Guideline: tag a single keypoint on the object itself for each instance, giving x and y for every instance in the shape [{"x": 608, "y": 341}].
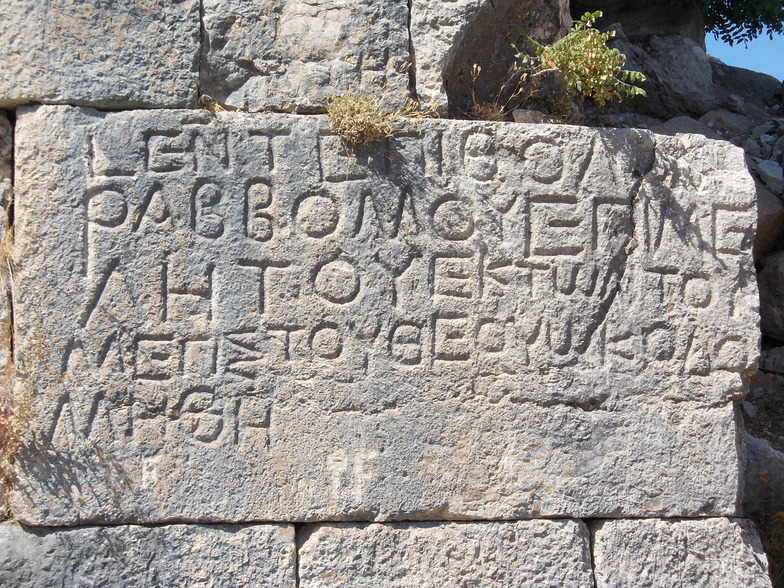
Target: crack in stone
[
  {"x": 411, "y": 54},
  {"x": 201, "y": 54}
]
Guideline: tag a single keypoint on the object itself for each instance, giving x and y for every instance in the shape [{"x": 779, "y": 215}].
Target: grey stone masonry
[
  {"x": 679, "y": 554},
  {"x": 119, "y": 54},
  {"x": 293, "y": 55},
  {"x": 234, "y": 317},
  {"x": 526, "y": 554},
  {"x": 232, "y": 556},
  {"x": 281, "y": 55}
]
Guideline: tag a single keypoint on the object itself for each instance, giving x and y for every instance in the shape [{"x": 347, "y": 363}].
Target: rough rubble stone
[
  {"x": 449, "y": 36},
  {"x": 246, "y": 320},
  {"x": 764, "y": 477},
  {"x": 753, "y": 86},
  {"x": 292, "y": 55},
  {"x": 122, "y": 54},
  {"x": 771, "y": 288},
  {"x": 684, "y": 124},
  {"x": 175, "y": 555},
  {"x": 770, "y": 223},
  {"x": 524, "y": 116},
  {"x": 728, "y": 125},
  {"x": 772, "y": 360},
  {"x": 678, "y": 554},
  {"x": 526, "y": 554},
  {"x": 772, "y": 174},
  {"x": 678, "y": 76},
  {"x": 777, "y": 152}
]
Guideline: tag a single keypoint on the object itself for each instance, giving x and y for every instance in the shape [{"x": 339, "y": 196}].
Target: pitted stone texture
[
  {"x": 524, "y": 554},
  {"x": 292, "y": 55},
  {"x": 678, "y": 554},
  {"x": 122, "y": 54},
  {"x": 449, "y": 36},
  {"x": 244, "y": 320},
  {"x": 176, "y": 555}
]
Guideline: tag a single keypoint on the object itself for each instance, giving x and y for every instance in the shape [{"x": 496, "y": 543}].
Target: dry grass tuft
[
  {"x": 360, "y": 120},
  {"x": 16, "y": 389}
]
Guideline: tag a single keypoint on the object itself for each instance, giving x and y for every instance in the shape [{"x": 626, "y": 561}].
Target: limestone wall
[{"x": 472, "y": 354}]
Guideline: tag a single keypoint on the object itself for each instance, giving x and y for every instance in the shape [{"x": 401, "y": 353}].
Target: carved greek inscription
[{"x": 226, "y": 263}]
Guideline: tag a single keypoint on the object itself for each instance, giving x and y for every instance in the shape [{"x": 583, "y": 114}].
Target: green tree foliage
[{"x": 740, "y": 21}]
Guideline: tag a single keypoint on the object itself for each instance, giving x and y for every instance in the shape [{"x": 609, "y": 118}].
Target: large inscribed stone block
[
  {"x": 120, "y": 54},
  {"x": 293, "y": 55},
  {"x": 525, "y": 554},
  {"x": 172, "y": 555},
  {"x": 679, "y": 554},
  {"x": 244, "y": 320}
]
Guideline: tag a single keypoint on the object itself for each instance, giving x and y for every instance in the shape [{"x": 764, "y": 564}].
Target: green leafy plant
[{"x": 588, "y": 67}]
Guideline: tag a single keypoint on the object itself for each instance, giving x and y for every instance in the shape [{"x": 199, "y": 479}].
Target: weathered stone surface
[
  {"x": 678, "y": 554},
  {"x": 523, "y": 116},
  {"x": 772, "y": 360},
  {"x": 764, "y": 478},
  {"x": 770, "y": 223},
  {"x": 525, "y": 554},
  {"x": 449, "y": 36},
  {"x": 728, "y": 125},
  {"x": 772, "y": 174},
  {"x": 682, "y": 125},
  {"x": 175, "y": 555},
  {"x": 247, "y": 321},
  {"x": 753, "y": 86},
  {"x": 122, "y": 54},
  {"x": 679, "y": 77},
  {"x": 293, "y": 55},
  {"x": 771, "y": 280}
]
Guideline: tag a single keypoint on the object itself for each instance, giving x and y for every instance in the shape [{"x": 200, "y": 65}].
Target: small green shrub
[{"x": 588, "y": 67}]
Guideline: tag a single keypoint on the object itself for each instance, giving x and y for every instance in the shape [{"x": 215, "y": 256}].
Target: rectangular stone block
[
  {"x": 678, "y": 554},
  {"x": 174, "y": 555},
  {"x": 292, "y": 55},
  {"x": 121, "y": 54},
  {"x": 247, "y": 321},
  {"x": 525, "y": 554}
]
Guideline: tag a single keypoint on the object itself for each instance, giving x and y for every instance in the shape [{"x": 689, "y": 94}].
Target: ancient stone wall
[{"x": 471, "y": 354}]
